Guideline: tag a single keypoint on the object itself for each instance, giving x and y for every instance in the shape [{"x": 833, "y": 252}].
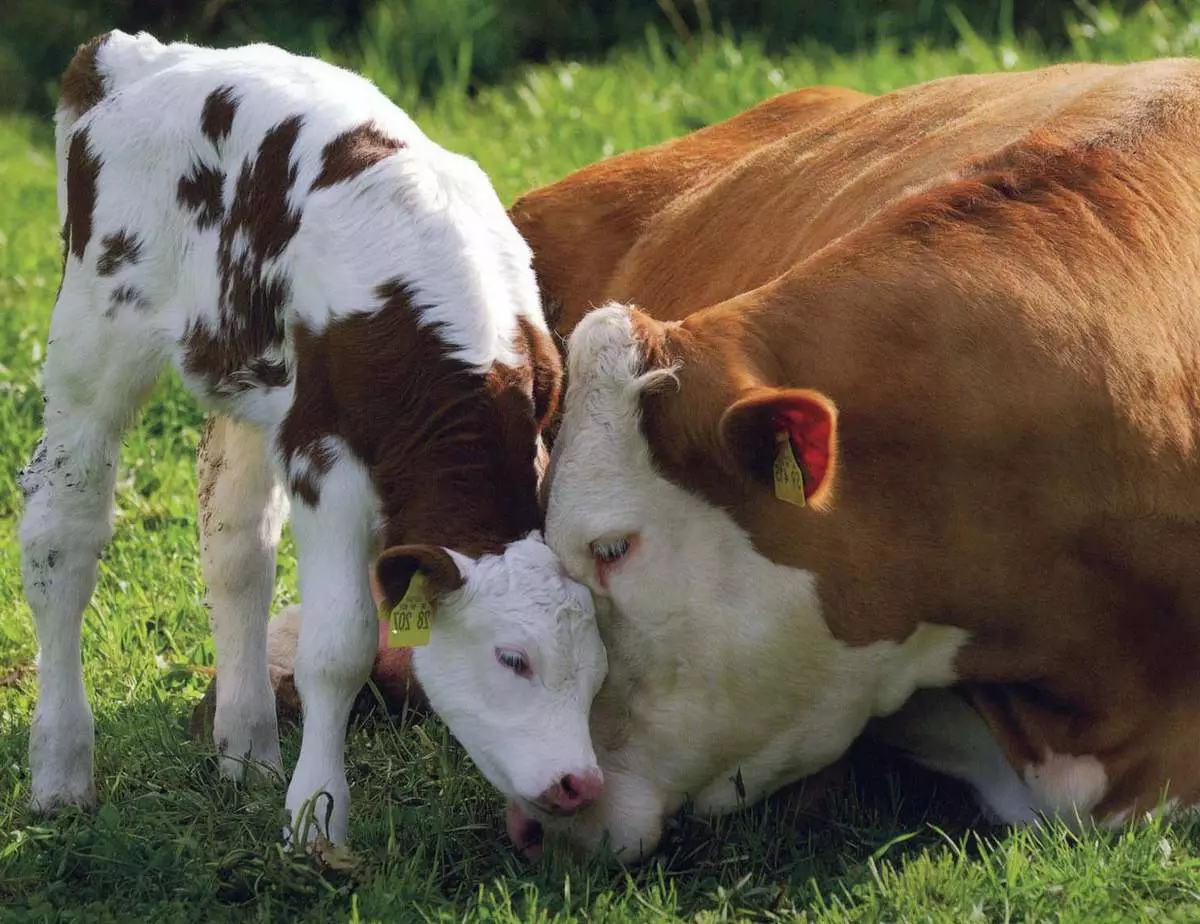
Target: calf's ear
[
  {"x": 785, "y": 436},
  {"x": 395, "y": 568},
  {"x": 546, "y": 367}
]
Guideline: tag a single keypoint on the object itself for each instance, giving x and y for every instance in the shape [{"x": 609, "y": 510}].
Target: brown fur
[
  {"x": 216, "y": 118},
  {"x": 232, "y": 358},
  {"x": 83, "y": 171},
  {"x": 352, "y": 152},
  {"x": 996, "y": 280},
  {"x": 120, "y": 249},
  {"x": 200, "y": 192},
  {"x": 125, "y": 295},
  {"x": 451, "y": 451},
  {"x": 82, "y": 84},
  {"x": 396, "y": 567}
]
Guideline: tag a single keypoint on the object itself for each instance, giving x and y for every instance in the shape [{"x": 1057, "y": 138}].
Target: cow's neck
[{"x": 451, "y": 447}]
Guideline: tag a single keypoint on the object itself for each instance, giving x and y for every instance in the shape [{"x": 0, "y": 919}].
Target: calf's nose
[{"x": 574, "y": 791}]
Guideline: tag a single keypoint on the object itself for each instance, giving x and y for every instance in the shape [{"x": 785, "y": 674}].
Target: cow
[
  {"x": 354, "y": 302},
  {"x": 884, "y": 413}
]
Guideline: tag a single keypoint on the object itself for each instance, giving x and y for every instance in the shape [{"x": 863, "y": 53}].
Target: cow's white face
[
  {"x": 513, "y": 663},
  {"x": 725, "y": 682}
]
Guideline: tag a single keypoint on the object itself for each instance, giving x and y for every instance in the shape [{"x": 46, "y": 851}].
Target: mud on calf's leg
[
  {"x": 68, "y": 492},
  {"x": 241, "y": 510},
  {"x": 90, "y": 395},
  {"x": 334, "y": 531}
]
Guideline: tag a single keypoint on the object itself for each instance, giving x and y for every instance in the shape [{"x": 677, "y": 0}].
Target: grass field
[{"x": 173, "y": 842}]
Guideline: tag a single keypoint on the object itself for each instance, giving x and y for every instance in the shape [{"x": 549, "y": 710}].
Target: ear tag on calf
[
  {"x": 410, "y": 619},
  {"x": 789, "y": 477}
]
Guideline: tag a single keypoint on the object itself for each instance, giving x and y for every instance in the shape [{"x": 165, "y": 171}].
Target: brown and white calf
[
  {"x": 354, "y": 300},
  {"x": 971, "y": 311}
]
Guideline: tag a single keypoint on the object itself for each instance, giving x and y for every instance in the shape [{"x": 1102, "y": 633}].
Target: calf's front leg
[
  {"x": 242, "y": 510},
  {"x": 333, "y": 522}
]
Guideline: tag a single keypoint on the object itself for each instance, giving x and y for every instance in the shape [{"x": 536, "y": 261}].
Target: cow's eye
[
  {"x": 515, "y": 660},
  {"x": 609, "y": 550}
]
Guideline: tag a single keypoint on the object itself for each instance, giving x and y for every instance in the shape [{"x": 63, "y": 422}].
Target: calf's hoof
[{"x": 46, "y": 804}]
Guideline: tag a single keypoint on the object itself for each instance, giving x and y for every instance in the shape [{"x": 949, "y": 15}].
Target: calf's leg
[
  {"x": 242, "y": 508},
  {"x": 98, "y": 371},
  {"x": 338, "y": 639}
]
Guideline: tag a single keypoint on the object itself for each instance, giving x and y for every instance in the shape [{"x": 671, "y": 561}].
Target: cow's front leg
[{"x": 333, "y": 521}]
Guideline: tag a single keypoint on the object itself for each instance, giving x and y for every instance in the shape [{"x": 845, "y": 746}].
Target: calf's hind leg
[
  {"x": 97, "y": 373},
  {"x": 242, "y": 508}
]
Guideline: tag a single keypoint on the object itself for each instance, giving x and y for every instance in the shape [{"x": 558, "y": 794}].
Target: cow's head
[
  {"x": 513, "y": 662},
  {"x": 693, "y": 615}
]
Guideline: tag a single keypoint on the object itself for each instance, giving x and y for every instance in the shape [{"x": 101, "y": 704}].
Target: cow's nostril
[{"x": 569, "y": 788}]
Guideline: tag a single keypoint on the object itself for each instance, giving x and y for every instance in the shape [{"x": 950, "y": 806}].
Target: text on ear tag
[
  {"x": 410, "y": 619},
  {"x": 789, "y": 477}
]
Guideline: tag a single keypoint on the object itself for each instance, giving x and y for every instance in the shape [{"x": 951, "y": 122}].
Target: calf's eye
[
  {"x": 609, "y": 550},
  {"x": 515, "y": 660}
]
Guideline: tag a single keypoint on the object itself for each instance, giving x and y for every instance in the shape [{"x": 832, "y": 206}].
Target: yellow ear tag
[
  {"x": 789, "y": 477},
  {"x": 410, "y": 619}
]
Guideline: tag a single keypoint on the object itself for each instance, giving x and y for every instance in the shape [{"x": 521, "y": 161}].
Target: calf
[
  {"x": 355, "y": 302},
  {"x": 909, "y": 402}
]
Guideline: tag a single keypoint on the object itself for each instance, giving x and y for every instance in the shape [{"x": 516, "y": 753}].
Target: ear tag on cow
[
  {"x": 789, "y": 477},
  {"x": 410, "y": 619}
]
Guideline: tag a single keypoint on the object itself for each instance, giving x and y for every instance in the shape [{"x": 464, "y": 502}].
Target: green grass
[{"x": 173, "y": 842}]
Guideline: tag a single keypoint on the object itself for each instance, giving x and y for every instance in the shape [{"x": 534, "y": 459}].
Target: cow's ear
[
  {"x": 394, "y": 570},
  {"x": 788, "y": 437}
]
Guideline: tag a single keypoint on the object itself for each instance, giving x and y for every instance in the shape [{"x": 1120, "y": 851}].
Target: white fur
[
  {"x": 424, "y": 215},
  {"x": 1067, "y": 786},
  {"x": 721, "y": 667},
  {"x": 939, "y": 730},
  {"x": 518, "y": 600},
  {"x": 339, "y": 637}
]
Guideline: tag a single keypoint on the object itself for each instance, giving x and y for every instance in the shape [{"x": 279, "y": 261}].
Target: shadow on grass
[{"x": 171, "y": 839}]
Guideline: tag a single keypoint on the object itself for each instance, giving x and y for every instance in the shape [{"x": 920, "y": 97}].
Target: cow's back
[{"x": 753, "y": 197}]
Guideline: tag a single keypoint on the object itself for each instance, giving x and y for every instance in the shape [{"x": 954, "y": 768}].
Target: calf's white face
[{"x": 512, "y": 666}]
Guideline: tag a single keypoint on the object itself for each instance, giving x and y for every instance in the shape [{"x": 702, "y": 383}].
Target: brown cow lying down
[{"x": 909, "y": 402}]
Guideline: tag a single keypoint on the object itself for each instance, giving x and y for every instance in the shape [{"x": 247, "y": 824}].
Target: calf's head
[{"x": 513, "y": 663}]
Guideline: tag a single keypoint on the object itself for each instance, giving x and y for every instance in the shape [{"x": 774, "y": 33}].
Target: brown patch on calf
[
  {"x": 120, "y": 249},
  {"x": 200, "y": 192},
  {"x": 83, "y": 171},
  {"x": 310, "y": 464},
  {"x": 82, "y": 85},
  {"x": 544, "y": 363},
  {"x": 451, "y": 451},
  {"x": 352, "y": 152},
  {"x": 258, "y": 227},
  {"x": 125, "y": 295},
  {"x": 216, "y": 118}
]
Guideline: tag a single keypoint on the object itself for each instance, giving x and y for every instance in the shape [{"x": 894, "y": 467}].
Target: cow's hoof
[{"x": 287, "y": 706}]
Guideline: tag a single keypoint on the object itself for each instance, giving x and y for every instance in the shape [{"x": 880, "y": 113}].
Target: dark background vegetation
[{"x": 428, "y": 44}]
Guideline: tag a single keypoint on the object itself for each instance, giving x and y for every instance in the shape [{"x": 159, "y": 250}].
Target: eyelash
[
  {"x": 610, "y": 551},
  {"x": 516, "y": 661}
]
